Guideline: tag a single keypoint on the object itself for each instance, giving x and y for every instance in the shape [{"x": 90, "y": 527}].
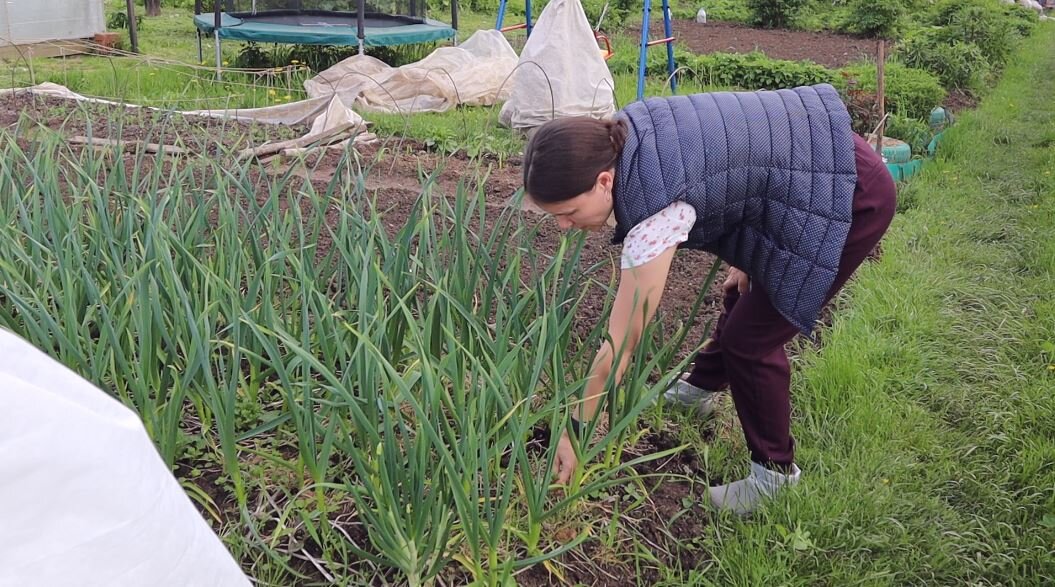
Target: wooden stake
[
  {"x": 102, "y": 144},
  {"x": 881, "y": 94},
  {"x": 322, "y": 138}
]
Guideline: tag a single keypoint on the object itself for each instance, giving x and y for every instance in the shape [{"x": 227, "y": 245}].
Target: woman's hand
[
  {"x": 736, "y": 280},
  {"x": 636, "y": 300},
  {"x": 565, "y": 461}
]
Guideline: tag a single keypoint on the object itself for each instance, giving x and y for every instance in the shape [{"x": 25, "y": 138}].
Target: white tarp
[
  {"x": 473, "y": 73},
  {"x": 323, "y": 113},
  {"x": 562, "y": 54},
  {"x": 85, "y": 499}
]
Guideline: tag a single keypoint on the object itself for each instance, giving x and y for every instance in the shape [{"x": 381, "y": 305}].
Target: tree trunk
[{"x": 153, "y": 7}]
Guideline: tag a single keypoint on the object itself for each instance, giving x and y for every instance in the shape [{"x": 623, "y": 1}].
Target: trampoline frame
[{"x": 360, "y": 14}]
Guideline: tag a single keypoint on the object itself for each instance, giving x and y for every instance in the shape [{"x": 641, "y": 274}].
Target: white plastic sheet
[
  {"x": 561, "y": 54},
  {"x": 323, "y": 112},
  {"x": 473, "y": 73},
  {"x": 85, "y": 499}
]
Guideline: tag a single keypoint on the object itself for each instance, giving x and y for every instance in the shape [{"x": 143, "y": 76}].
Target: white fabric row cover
[{"x": 85, "y": 499}]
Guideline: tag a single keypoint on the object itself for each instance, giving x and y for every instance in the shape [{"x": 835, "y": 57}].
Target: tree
[{"x": 153, "y": 7}]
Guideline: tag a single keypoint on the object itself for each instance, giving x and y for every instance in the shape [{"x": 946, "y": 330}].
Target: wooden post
[
  {"x": 881, "y": 94},
  {"x": 133, "y": 34}
]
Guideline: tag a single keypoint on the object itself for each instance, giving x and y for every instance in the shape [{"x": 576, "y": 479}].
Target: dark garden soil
[{"x": 828, "y": 49}]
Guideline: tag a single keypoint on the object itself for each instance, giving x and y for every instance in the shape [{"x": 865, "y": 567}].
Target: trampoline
[{"x": 377, "y": 23}]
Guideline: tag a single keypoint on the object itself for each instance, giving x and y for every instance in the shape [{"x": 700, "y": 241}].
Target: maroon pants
[{"x": 746, "y": 351}]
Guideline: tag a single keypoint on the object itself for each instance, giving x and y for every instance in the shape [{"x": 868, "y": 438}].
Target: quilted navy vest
[{"x": 770, "y": 173}]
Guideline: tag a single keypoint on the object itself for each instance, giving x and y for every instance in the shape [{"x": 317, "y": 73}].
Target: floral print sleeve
[{"x": 667, "y": 228}]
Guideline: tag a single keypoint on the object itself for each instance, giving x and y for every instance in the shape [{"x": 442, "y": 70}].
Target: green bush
[
  {"x": 1022, "y": 20},
  {"x": 749, "y": 71},
  {"x": 908, "y": 91},
  {"x": 773, "y": 13},
  {"x": 875, "y": 19},
  {"x": 252, "y": 56},
  {"x": 977, "y": 22},
  {"x": 913, "y": 131},
  {"x": 119, "y": 20},
  {"x": 958, "y": 64},
  {"x": 655, "y": 61},
  {"x": 755, "y": 71}
]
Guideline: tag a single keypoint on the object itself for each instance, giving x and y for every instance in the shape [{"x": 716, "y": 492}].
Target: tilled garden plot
[
  {"x": 393, "y": 180},
  {"x": 827, "y": 49}
]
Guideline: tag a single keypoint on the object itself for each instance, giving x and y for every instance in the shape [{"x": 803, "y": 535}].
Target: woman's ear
[{"x": 605, "y": 181}]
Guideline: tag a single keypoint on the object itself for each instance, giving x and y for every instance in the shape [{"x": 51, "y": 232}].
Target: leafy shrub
[
  {"x": 976, "y": 22},
  {"x": 755, "y": 71},
  {"x": 119, "y": 20},
  {"x": 958, "y": 64},
  {"x": 655, "y": 61},
  {"x": 908, "y": 91},
  {"x": 1021, "y": 19},
  {"x": 876, "y": 19},
  {"x": 749, "y": 71},
  {"x": 773, "y": 13},
  {"x": 861, "y": 102},
  {"x": 251, "y": 56},
  {"x": 913, "y": 131},
  {"x": 317, "y": 57}
]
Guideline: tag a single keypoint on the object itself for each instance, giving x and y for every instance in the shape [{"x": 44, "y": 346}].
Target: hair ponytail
[
  {"x": 617, "y": 134},
  {"x": 565, "y": 156}
]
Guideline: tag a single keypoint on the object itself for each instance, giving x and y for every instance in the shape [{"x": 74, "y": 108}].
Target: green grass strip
[{"x": 926, "y": 423}]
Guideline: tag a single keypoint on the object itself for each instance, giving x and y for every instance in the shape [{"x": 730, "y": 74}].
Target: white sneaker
[
  {"x": 745, "y": 495},
  {"x": 687, "y": 395}
]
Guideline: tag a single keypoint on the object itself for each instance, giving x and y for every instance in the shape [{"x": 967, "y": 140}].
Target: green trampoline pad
[{"x": 380, "y": 30}]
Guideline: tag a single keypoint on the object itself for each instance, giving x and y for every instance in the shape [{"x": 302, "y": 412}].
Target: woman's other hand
[{"x": 738, "y": 280}]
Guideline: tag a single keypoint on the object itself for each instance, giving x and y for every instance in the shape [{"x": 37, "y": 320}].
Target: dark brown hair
[{"x": 566, "y": 155}]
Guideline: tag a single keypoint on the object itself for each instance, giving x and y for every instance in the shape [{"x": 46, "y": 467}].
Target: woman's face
[{"x": 587, "y": 211}]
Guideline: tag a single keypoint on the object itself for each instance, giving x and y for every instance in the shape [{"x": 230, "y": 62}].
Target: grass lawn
[{"x": 926, "y": 424}]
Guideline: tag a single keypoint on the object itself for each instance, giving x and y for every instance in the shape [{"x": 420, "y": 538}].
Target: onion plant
[{"x": 411, "y": 365}]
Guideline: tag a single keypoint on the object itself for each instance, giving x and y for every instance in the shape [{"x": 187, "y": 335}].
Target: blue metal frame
[
  {"x": 502, "y": 15},
  {"x": 668, "y": 41}
]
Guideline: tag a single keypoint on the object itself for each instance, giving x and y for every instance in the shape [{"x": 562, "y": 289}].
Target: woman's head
[{"x": 569, "y": 169}]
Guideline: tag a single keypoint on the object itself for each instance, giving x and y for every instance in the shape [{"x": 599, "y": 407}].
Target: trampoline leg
[
  {"x": 642, "y": 60},
  {"x": 201, "y": 57},
  {"x": 360, "y": 46},
  {"x": 219, "y": 57},
  {"x": 669, "y": 33}
]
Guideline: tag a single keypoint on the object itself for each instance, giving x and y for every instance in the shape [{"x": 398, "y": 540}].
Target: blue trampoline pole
[
  {"x": 642, "y": 58},
  {"x": 669, "y": 34},
  {"x": 501, "y": 14}
]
